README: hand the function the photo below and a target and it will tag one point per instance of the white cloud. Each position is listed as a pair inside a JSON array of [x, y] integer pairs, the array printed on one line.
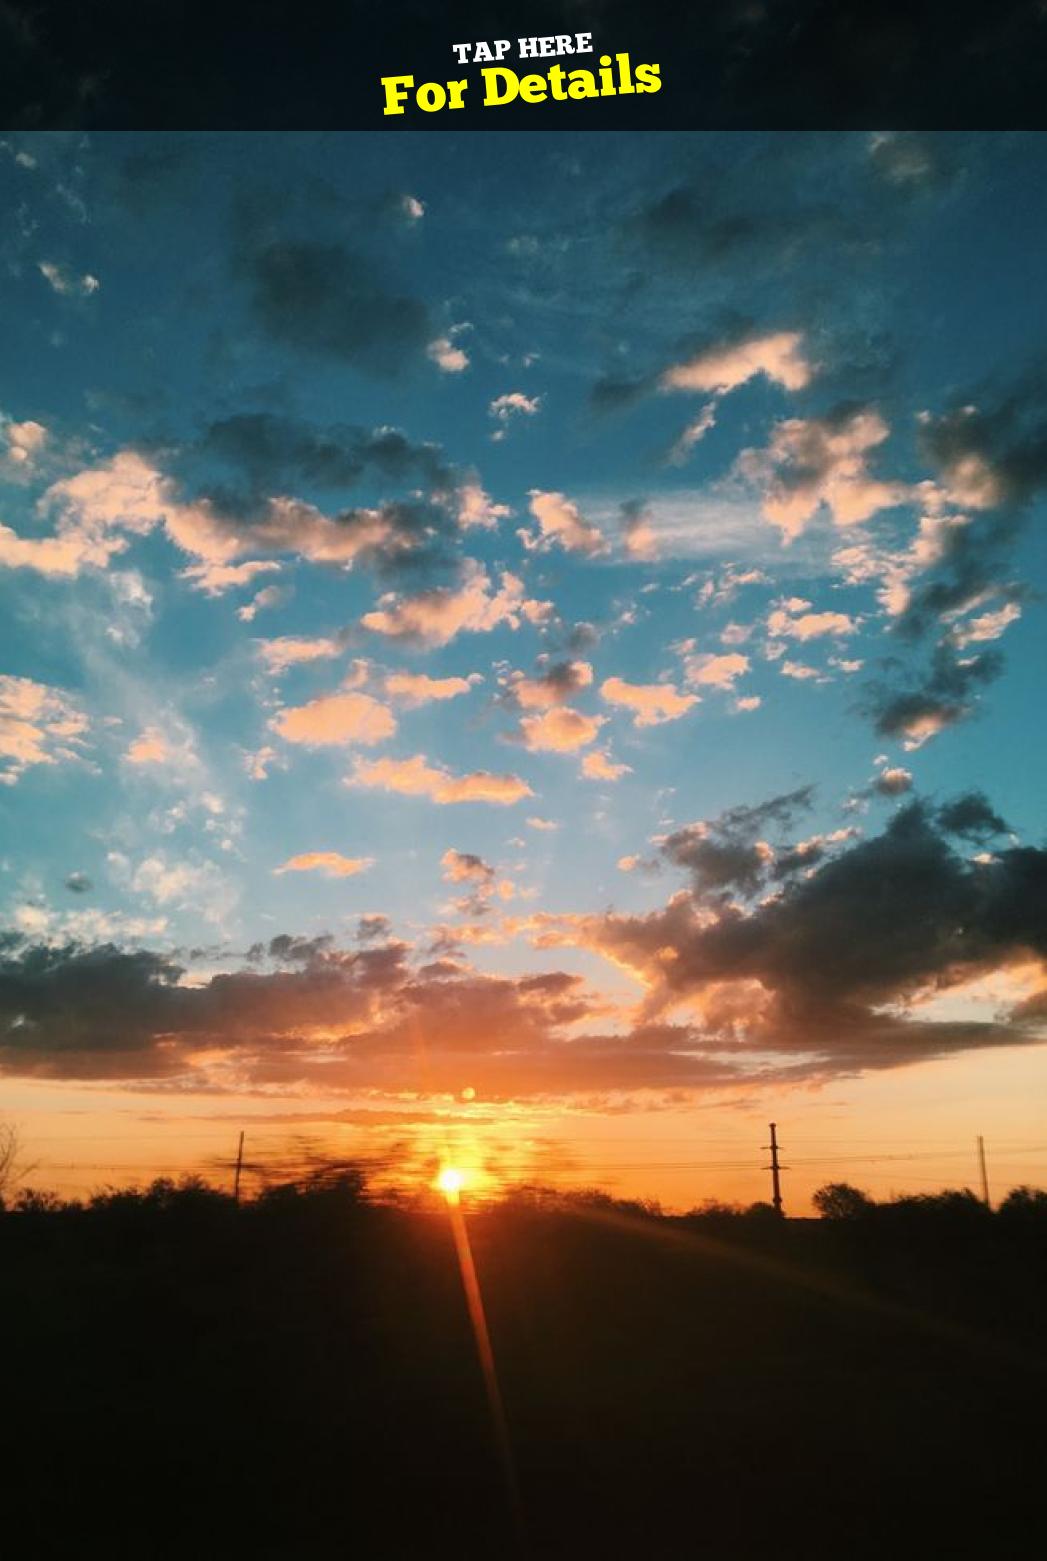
[[66, 282], [513, 404]]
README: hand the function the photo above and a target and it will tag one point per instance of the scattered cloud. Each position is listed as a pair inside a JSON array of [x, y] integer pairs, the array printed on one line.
[[416, 777], [39, 725], [332, 864], [651, 704]]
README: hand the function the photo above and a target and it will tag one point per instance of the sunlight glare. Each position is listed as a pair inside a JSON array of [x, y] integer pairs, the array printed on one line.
[[450, 1182]]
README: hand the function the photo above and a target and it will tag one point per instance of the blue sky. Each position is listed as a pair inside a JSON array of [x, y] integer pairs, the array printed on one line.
[[530, 540]]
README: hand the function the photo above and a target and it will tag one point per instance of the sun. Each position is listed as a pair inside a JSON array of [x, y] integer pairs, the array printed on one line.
[[450, 1182]]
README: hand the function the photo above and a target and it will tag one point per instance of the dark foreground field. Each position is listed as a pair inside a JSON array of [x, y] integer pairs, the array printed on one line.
[[298, 1378]]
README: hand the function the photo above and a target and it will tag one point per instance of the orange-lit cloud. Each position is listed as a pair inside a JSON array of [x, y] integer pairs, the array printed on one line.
[[417, 688], [331, 863], [558, 683], [436, 616], [600, 766], [559, 730], [335, 720], [651, 704], [562, 522], [39, 724], [290, 651], [822, 461], [712, 671], [778, 356], [416, 777]]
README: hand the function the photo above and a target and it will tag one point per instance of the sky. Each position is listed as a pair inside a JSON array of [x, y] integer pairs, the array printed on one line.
[[524, 649]]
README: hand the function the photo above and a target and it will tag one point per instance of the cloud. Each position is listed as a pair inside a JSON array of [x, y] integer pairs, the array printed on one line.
[[972, 817], [555, 685], [39, 724], [986, 626], [331, 863], [801, 672], [177, 882], [336, 720], [727, 852], [816, 461], [691, 434], [638, 534], [892, 781], [465, 867], [65, 282], [561, 523], [601, 767], [252, 456], [21, 446], [268, 596], [559, 730], [826, 977], [994, 454], [443, 352], [793, 619], [435, 616], [151, 746], [943, 696], [715, 671], [416, 777], [651, 704], [292, 651], [512, 405], [476, 509], [831, 969], [720, 369], [417, 688], [326, 301]]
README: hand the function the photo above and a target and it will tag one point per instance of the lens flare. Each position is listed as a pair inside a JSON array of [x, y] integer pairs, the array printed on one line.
[[450, 1182]]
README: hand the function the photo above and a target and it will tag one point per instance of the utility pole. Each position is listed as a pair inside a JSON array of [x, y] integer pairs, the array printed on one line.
[[775, 1168], [239, 1168], [985, 1174]]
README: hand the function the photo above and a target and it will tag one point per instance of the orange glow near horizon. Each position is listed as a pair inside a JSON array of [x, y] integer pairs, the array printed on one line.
[[903, 1130]]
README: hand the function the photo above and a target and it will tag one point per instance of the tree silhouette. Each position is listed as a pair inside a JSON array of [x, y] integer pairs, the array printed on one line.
[[841, 1201]]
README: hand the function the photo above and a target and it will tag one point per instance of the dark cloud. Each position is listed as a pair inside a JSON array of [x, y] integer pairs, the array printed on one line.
[[812, 980], [972, 817], [817, 966], [708, 221], [944, 695], [725, 853], [990, 451], [329, 302], [105, 1013], [373, 928], [272, 454], [996, 440]]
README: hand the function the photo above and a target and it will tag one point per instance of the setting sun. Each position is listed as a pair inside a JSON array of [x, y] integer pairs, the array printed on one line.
[[450, 1182]]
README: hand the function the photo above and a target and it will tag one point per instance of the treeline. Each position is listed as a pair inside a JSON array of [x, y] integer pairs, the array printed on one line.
[[341, 1186]]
